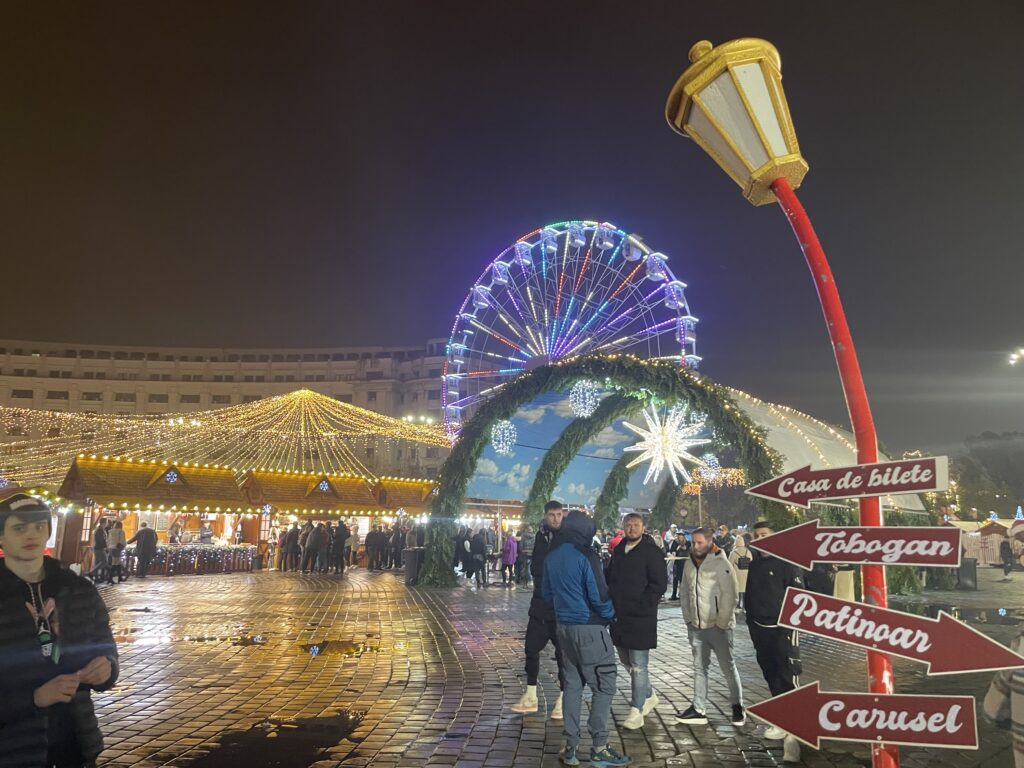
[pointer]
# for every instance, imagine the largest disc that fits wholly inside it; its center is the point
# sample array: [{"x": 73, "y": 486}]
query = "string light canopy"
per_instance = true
[{"x": 303, "y": 431}]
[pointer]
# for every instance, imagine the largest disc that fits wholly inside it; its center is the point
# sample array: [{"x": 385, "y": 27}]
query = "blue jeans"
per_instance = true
[
  {"x": 702, "y": 642},
  {"x": 589, "y": 657},
  {"x": 640, "y": 680}
]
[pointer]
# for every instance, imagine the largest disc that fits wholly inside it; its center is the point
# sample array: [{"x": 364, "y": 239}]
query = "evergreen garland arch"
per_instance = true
[{"x": 632, "y": 376}]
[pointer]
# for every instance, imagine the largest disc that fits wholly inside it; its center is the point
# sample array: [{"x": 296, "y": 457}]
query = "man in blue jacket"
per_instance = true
[{"x": 575, "y": 585}]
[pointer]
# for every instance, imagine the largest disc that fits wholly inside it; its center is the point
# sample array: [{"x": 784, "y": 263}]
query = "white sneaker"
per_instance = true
[
  {"x": 790, "y": 750},
  {"x": 556, "y": 713},
  {"x": 527, "y": 703},
  {"x": 650, "y": 704},
  {"x": 634, "y": 720},
  {"x": 774, "y": 732}
]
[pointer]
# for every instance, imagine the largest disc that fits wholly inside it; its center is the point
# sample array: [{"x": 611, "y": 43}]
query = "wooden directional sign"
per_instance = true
[
  {"x": 946, "y": 645},
  {"x": 811, "y": 714},
  {"x": 802, "y": 486},
  {"x": 810, "y": 543}
]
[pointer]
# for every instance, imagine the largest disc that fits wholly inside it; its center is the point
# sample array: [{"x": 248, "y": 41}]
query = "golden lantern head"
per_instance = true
[{"x": 730, "y": 101}]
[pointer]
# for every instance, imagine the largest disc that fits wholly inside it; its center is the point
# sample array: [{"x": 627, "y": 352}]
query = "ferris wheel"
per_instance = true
[{"x": 565, "y": 290}]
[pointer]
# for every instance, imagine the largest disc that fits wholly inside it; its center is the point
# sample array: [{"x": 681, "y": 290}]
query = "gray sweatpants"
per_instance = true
[
  {"x": 702, "y": 642},
  {"x": 588, "y": 657}
]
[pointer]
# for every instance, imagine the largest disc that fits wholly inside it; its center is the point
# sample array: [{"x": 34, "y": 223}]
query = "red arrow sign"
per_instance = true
[
  {"x": 809, "y": 543},
  {"x": 811, "y": 715},
  {"x": 946, "y": 645},
  {"x": 802, "y": 486}
]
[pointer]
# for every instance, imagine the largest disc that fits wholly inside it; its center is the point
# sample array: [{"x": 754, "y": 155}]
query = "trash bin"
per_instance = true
[
  {"x": 968, "y": 574},
  {"x": 413, "y": 561}
]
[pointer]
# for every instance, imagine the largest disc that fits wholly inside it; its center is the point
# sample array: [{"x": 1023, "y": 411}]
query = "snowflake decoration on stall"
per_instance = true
[
  {"x": 584, "y": 398},
  {"x": 503, "y": 437},
  {"x": 666, "y": 443},
  {"x": 1020, "y": 513}
]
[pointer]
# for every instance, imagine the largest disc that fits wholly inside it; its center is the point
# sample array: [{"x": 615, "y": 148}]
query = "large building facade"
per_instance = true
[{"x": 401, "y": 382}]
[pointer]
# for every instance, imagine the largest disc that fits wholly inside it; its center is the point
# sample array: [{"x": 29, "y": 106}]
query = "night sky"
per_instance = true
[{"x": 303, "y": 174}]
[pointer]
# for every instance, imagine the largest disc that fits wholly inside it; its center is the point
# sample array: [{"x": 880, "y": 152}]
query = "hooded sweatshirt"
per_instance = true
[{"x": 573, "y": 578}]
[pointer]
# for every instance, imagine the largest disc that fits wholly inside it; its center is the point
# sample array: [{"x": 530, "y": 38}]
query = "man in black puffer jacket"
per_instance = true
[
  {"x": 541, "y": 627},
  {"x": 55, "y": 648}
]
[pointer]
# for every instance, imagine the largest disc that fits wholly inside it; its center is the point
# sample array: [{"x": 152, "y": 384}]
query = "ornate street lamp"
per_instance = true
[{"x": 730, "y": 101}]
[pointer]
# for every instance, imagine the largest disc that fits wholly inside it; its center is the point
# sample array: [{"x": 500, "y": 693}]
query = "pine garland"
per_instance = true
[{"x": 632, "y": 377}]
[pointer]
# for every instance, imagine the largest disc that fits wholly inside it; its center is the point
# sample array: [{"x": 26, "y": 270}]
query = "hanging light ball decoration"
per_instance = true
[
  {"x": 666, "y": 443},
  {"x": 503, "y": 437},
  {"x": 710, "y": 468},
  {"x": 584, "y": 398}
]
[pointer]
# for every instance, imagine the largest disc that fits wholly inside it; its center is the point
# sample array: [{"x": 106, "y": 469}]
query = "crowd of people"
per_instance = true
[
  {"x": 323, "y": 547},
  {"x": 601, "y": 611}
]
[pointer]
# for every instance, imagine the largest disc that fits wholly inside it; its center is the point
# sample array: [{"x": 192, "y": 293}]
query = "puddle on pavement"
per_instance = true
[
  {"x": 282, "y": 743},
  {"x": 1007, "y": 616},
  {"x": 135, "y": 636},
  {"x": 344, "y": 648}
]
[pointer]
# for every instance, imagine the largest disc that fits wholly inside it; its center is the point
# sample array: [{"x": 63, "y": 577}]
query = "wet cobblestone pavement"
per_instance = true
[{"x": 272, "y": 669}]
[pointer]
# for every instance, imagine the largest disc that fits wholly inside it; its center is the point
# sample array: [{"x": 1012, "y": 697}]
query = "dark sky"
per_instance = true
[{"x": 335, "y": 173}]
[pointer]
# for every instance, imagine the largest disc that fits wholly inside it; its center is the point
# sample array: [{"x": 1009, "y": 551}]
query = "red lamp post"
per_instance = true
[{"x": 730, "y": 101}]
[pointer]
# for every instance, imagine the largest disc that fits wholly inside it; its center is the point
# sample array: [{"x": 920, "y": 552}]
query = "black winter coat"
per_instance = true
[
  {"x": 539, "y": 607},
  {"x": 767, "y": 580},
  {"x": 637, "y": 581},
  {"x": 83, "y": 629}
]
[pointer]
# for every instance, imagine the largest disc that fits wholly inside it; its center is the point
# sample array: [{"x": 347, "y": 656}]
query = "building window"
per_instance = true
[
  {"x": 25, "y": 393},
  {"x": 250, "y": 398},
  {"x": 92, "y": 396},
  {"x": 374, "y": 375},
  {"x": 343, "y": 398},
  {"x": 153, "y": 398},
  {"x": 432, "y": 452},
  {"x": 371, "y": 397},
  {"x": 434, "y": 394},
  {"x": 434, "y": 373},
  {"x": 54, "y": 394},
  {"x": 188, "y": 398},
  {"x": 221, "y": 399},
  {"x": 124, "y": 397}
]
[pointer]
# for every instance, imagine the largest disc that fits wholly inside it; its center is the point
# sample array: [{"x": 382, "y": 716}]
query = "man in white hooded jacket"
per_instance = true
[{"x": 709, "y": 596}]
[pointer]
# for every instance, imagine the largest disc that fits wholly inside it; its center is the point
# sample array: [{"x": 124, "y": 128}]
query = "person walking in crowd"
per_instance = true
[
  {"x": 373, "y": 548},
  {"x": 679, "y": 549},
  {"x": 1004, "y": 702},
  {"x": 145, "y": 542},
  {"x": 323, "y": 559},
  {"x": 575, "y": 585},
  {"x": 398, "y": 544},
  {"x": 311, "y": 549},
  {"x": 56, "y": 647},
  {"x": 637, "y": 579},
  {"x": 339, "y": 549},
  {"x": 509, "y": 555},
  {"x": 116, "y": 543},
  {"x": 709, "y": 610},
  {"x": 352, "y": 546},
  {"x": 777, "y": 648},
  {"x": 478, "y": 557},
  {"x": 740, "y": 560},
  {"x": 292, "y": 548},
  {"x": 100, "y": 567},
  {"x": 1006, "y": 555},
  {"x": 524, "y": 555},
  {"x": 725, "y": 540},
  {"x": 541, "y": 627}
]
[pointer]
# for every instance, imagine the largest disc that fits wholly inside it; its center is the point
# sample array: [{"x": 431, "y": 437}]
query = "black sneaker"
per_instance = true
[
  {"x": 739, "y": 717},
  {"x": 692, "y": 717}
]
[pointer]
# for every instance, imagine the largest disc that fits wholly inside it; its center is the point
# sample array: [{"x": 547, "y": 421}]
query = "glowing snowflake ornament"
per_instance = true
[
  {"x": 503, "y": 437},
  {"x": 666, "y": 443},
  {"x": 584, "y": 398},
  {"x": 710, "y": 468}
]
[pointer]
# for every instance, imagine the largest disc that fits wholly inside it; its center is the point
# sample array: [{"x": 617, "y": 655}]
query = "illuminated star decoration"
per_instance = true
[
  {"x": 666, "y": 443},
  {"x": 503, "y": 437}
]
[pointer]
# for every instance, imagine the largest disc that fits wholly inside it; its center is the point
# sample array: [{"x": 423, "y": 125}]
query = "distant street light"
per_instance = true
[
  {"x": 1016, "y": 357},
  {"x": 730, "y": 101}
]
